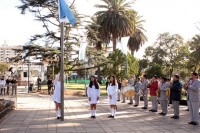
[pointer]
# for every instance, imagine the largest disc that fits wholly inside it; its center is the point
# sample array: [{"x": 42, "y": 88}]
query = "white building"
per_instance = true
[{"x": 7, "y": 52}]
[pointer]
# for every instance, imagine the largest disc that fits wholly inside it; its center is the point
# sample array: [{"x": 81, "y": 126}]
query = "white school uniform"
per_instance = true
[
  {"x": 93, "y": 93},
  {"x": 112, "y": 90},
  {"x": 57, "y": 91}
]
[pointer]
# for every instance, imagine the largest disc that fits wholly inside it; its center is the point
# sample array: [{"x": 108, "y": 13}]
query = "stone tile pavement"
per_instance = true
[{"x": 35, "y": 114}]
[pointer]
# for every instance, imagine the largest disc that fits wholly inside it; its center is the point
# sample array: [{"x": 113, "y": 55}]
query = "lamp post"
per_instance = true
[{"x": 28, "y": 72}]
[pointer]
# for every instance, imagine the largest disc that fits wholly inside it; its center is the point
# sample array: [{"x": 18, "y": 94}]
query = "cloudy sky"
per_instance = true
[{"x": 174, "y": 16}]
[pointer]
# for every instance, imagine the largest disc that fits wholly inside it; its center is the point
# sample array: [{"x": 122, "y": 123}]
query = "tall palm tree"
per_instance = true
[
  {"x": 138, "y": 38},
  {"x": 116, "y": 20}
]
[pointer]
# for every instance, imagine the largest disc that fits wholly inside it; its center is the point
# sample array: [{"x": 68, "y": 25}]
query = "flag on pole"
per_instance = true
[
  {"x": 82, "y": 51},
  {"x": 123, "y": 45},
  {"x": 65, "y": 14}
]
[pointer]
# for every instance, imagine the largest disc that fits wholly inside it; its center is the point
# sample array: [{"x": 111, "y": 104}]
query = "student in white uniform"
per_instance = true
[
  {"x": 112, "y": 96},
  {"x": 93, "y": 93},
  {"x": 57, "y": 96}
]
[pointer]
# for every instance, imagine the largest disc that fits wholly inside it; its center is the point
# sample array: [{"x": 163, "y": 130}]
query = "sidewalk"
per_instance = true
[{"x": 35, "y": 114}]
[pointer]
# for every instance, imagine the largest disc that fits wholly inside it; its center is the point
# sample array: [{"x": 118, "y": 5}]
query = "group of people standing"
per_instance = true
[
  {"x": 93, "y": 93},
  {"x": 8, "y": 84},
  {"x": 161, "y": 90}
]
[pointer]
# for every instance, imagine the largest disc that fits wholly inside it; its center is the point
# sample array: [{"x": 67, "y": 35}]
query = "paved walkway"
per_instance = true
[{"x": 35, "y": 114}]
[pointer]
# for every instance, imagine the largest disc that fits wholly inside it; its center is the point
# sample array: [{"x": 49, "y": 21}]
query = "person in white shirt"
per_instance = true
[
  {"x": 93, "y": 93},
  {"x": 2, "y": 85},
  {"x": 112, "y": 96},
  {"x": 57, "y": 95}
]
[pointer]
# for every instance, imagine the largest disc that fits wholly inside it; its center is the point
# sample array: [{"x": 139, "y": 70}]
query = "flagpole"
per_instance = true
[
  {"x": 85, "y": 72},
  {"x": 62, "y": 69},
  {"x": 127, "y": 65}
]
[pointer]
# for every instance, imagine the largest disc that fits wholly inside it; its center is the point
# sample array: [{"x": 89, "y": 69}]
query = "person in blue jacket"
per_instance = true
[{"x": 175, "y": 95}]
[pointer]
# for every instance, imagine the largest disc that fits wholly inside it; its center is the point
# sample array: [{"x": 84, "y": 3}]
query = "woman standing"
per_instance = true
[
  {"x": 112, "y": 96},
  {"x": 163, "y": 96},
  {"x": 57, "y": 96},
  {"x": 93, "y": 93}
]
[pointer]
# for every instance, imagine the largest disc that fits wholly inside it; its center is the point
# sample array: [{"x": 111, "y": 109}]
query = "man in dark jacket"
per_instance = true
[
  {"x": 175, "y": 95},
  {"x": 14, "y": 86},
  {"x": 39, "y": 81},
  {"x": 50, "y": 85}
]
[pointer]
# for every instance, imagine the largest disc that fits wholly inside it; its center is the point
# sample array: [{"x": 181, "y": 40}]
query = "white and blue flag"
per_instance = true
[
  {"x": 82, "y": 51},
  {"x": 65, "y": 14},
  {"x": 122, "y": 45}
]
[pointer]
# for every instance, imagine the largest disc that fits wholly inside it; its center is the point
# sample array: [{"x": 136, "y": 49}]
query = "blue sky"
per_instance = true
[{"x": 174, "y": 16}]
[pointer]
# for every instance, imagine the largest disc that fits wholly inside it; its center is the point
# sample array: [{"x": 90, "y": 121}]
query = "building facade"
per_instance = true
[{"x": 7, "y": 52}]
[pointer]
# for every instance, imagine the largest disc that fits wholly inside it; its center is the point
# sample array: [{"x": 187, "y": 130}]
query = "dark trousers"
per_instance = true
[
  {"x": 8, "y": 89},
  {"x": 39, "y": 86},
  {"x": 49, "y": 89},
  {"x": 14, "y": 87},
  {"x": 3, "y": 90}
]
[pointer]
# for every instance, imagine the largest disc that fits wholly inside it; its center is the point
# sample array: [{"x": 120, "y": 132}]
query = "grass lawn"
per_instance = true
[{"x": 77, "y": 87}]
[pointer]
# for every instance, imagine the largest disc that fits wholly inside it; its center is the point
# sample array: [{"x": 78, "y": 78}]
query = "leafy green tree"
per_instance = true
[
  {"x": 3, "y": 67},
  {"x": 116, "y": 20},
  {"x": 166, "y": 51},
  {"x": 117, "y": 65},
  {"x": 194, "y": 57},
  {"x": 155, "y": 69},
  {"x": 143, "y": 65}
]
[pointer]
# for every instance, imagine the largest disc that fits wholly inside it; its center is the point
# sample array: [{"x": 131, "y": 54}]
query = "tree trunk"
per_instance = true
[
  {"x": 132, "y": 52},
  {"x": 114, "y": 40},
  {"x": 170, "y": 72},
  {"x": 99, "y": 73},
  {"x": 195, "y": 68}
]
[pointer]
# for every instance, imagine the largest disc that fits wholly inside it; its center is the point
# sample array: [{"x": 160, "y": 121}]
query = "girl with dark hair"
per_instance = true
[
  {"x": 57, "y": 96},
  {"x": 112, "y": 96},
  {"x": 93, "y": 93}
]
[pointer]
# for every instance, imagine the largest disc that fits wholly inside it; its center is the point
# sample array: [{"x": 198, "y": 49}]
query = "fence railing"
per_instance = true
[{"x": 8, "y": 98}]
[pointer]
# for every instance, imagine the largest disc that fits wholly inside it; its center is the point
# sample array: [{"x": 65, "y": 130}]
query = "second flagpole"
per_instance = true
[{"x": 62, "y": 69}]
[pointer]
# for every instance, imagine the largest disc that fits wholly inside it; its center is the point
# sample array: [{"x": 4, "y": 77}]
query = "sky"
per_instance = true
[{"x": 174, "y": 16}]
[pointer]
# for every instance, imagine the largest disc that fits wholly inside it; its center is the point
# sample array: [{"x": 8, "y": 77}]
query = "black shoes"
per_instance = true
[
  {"x": 175, "y": 117},
  {"x": 153, "y": 110},
  {"x": 110, "y": 116},
  {"x": 58, "y": 118},
  {"x": 93, "y": 117},
  {"x": 144, "y": 107},
  {"x": 135, "y": 105},
  {"x": 162, "y": 114},
  {"x": 193, "y": 123}
]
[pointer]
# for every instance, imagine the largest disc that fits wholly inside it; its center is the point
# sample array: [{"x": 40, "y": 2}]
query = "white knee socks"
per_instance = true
[
  {"x": 113, "y": 111},
  {"x": 58, "y": 113},
  {"x": 93, "y": 112}
]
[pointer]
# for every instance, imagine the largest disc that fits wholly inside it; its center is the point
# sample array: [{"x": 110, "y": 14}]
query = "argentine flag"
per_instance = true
[
  {"x": 82, "y": 51},
  {"x": 65, "y": 14},
  {"x": 123, "y": 45}
]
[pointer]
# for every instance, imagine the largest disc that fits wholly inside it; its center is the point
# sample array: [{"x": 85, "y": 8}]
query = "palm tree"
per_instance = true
[
  {"x": 138, "y": 38},
  {"x": 116, "y": 20}
]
